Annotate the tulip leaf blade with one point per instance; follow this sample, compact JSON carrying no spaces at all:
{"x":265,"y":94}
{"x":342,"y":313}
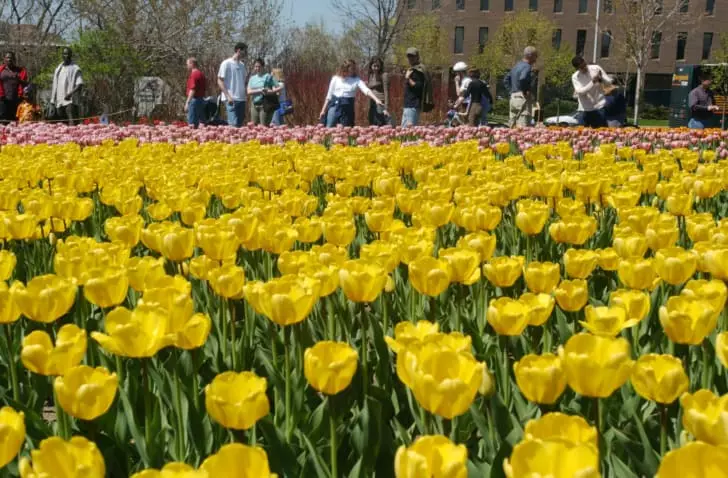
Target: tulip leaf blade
{"x":133,"y":428}
{"x":286,"y":463}
{"x":314,"y":456}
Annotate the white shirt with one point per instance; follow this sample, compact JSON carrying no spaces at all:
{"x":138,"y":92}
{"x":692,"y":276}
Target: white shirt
{"x":590,"y":94}
{"x":233,"y":74}
{"x":464,"y":85}
{"x":65,"y":79}
{"x":346,"y":87}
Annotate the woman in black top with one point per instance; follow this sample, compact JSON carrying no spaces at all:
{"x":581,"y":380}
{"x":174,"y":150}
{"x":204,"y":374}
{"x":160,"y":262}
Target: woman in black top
{"x":378,"y":82}
{"x":477,"y":90}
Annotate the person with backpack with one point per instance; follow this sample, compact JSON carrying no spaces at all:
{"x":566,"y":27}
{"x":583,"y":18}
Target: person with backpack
{"x":478,"y":93}
{"x":263,"y":89}
{"x":418,"y":95}
{"x":519,"y":83}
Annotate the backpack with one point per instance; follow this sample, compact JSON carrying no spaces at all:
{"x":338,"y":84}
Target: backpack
{"x":428,"y":97}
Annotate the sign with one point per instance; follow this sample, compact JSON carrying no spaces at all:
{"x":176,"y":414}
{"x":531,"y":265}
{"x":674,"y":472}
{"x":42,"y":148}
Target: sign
{"x":149,"y":91}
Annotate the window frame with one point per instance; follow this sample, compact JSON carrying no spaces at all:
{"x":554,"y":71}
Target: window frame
{"x":460,"y":5}
{"x":682,"y":38}
{"x":703,"y":56}
{"x":461,"y":29}
{"x":581,"y":51}
{"x":481,"y":43}
{"x":507,"y":3}
{"x":556,"y":37}
{"x":655,"y":45}
{"x":485,"y":3}
{"x":605,"y":39}
{"x":558,"y":6}
{"x":585,"y":4}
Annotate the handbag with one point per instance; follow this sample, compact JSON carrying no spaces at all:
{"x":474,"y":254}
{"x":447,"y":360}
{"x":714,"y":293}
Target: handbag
{"x":270,"y":101}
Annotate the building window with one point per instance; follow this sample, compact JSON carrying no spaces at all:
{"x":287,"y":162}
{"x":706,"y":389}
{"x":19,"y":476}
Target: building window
{"x":459,"y":39}
{"x":482,"y":38}
{"x":659,"y":7}
{"x":606,"y":43}
{"x":580,"y":42}
{"x":508,"y":6}
{"x":556,"y":39}
{"x":533,"y":5}
{"x":682,"y":41}
{"x":608,"y":6}
{"x":558,"y":6}
{"x":484,"y":5}
{"x":684,"y":6}
{"x":435,"y":4}
{"x":411,"y":4}
{"x":655,"y":45}
{"x":460,"y":4}
{"x":709,"y":7}
{"x":707,"y":44}
{"x":583,"y":6}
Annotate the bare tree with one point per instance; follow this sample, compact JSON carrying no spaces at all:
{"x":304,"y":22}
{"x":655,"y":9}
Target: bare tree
{"x":380,"y":20}
{"x":643,"y":24}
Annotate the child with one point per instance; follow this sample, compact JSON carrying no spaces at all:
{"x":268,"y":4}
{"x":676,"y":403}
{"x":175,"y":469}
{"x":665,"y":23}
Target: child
{"x":477,"y":91}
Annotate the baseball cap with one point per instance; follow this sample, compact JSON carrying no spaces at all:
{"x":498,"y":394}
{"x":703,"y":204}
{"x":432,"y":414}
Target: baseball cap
{"x":412,"y":51}
{"x":460,"y":66}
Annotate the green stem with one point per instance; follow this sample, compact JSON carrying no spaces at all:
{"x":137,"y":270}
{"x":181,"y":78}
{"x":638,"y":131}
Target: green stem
{"x":195,"y":379}
{"x":274,"y":359}
{"x":11,"y":363}
{"x":663,"y":429}
{"x":287,"y":371}
{"x":454,"y":429}
{"x":60,"y":417}
{"x":506,"y":371}
{"x":233,"y":354}
{"x":252,"y":436}
{"x":330,"y":317}
{"x":147,"y":403}
{"x":119,"y":369}
{"x":598,"y":422}
{"x":707,"y":367}
{"x":546,"y":339}
{"x":223,"y":328}
{"x":364,"y":350}
{"x":332,"y":432}
{"x":492,"y":438}
{"x":385,"y":313}
{"x":180,"y":432}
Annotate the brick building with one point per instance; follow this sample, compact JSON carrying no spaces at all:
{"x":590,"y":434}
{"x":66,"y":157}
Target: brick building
{"x":470,"y":22}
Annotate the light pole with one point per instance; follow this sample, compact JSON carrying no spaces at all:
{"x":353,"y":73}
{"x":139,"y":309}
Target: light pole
{"x":596,"y":31}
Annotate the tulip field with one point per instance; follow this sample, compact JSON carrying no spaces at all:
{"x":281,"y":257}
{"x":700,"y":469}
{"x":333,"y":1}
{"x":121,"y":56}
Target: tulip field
{"x":303,"y":302}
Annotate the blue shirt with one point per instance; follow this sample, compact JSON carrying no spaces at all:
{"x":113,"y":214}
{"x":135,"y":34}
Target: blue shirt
{"x":519,"y":78}
{"x":257,"y":82}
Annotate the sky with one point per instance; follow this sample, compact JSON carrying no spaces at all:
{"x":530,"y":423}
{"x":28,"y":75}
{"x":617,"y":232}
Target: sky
{"x":304,"y":11}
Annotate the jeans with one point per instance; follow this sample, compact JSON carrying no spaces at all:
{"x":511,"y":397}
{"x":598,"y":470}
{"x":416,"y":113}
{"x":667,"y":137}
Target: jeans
{"x":595,"y":119}
{"x":235,"y":113}
{"x":195,"y":112}
{"x":341,"y":112}
{"x":277,"y":119}
{"x":696,"y":124}
{"x":410,"y":117}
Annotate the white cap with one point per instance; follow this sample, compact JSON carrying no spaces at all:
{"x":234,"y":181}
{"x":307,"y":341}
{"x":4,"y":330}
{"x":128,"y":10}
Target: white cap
{"x":459,"y":66}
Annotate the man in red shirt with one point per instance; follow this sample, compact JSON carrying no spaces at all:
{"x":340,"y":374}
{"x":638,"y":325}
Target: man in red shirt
{"x":195,"y":105}
{"x":13,"y":80}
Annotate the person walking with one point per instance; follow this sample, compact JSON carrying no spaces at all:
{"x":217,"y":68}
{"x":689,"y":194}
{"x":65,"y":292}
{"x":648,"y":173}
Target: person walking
{"x":195,"y":105}
{"x":415,"y":89}
{"x":285,"y":105}
{"x":702,"y":103}
{"x":378,"y":82}
{"x":13,"y":80}
{"x":519,"y":81}
{"x":231,"y":80}
{"x":615,"y":107}
{"x":589,"y":82}
{"x":339,"y":104}
{"x":67,"y":84}
{"x":263,"y":90}
{"x":478,"y":93}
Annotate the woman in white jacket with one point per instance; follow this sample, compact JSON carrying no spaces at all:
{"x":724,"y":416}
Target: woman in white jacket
{"x":339,"y":104}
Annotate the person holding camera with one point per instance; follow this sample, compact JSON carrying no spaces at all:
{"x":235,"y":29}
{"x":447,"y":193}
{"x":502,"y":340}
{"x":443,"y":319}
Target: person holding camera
{"x":702,"y":104}
{"x":589,"y":82}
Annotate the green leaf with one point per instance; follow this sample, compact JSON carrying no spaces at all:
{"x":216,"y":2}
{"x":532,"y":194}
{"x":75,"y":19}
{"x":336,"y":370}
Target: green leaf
{"x":315,"y":457}
{"x":285,"y":463}
{"x":138,"y":437}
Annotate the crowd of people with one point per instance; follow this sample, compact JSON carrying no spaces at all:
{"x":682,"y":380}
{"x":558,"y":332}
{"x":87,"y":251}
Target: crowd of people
{"x":601,"y":103}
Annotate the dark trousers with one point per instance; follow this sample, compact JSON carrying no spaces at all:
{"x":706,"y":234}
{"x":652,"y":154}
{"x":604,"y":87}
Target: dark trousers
{"x":594,"y":119}
{"x":375,"y":117}
{"x":68,"y":113}
{"x":8,"y":110}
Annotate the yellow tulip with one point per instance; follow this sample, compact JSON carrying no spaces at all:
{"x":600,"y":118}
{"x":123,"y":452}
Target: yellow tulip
{"x":384,"y":253}
{"x":608,"y":259}
{"x":705,"y":416}
{"x":330,"y":366}
{"x":429,"y":276}
{"x":579,"y":263}
{"x":555,"y":459}
{"x":291,"y":262}
{"x":542,"y":277}
{"x":431,"y":456}
{"x":721,"y":348}
{"x":125,"y":229}
{"x":237,"y":400}
{"x":596,"y":366}
{"x":408,"y":334}
{"x":636,"y":303}
{"x":574,"y":230}
{"x":699,"y":226}
{"x":46,"y":298}
{"x":659,"y":378}
{"x":159,"y":211}
{"x":236,"y":460}
{"x":219,"y":242}
{"x":339,"y":232}
{"x":638,"y":273}
{"x":540,"y":378}
{"x":508,"y":316}
{"x":330,"y":255}
{"x":560,"y":427}
{"x":715,"y":261}
{"x":106,"y":287}
{"x":85,"y":392}
{"x":464,"y":264}
{"x":142,"y":270}
{"x":542,"y":305}
{"x":289,"y":299}
{"x":444,"y":391}
{"x":58,"y":458}
{"x":695,"y":460}
{"x":680,"y":204}
{"x":714,"y":291}
{"x":687,"y":320}
{"x":475,"y":218}
{"x":503,"y":271}
{"x":139,"y":333}
{"x":606,"y":321}
{"x":172,"y":470}
{"x":177,"y":243}
{"x":571,"y":295}
{"x":660,"y":235}
{"x":434,"y":214}
{"x":227,"y":281}
{"x":21,"y":226}
{"x":40,"y":356}
{"x":9,"y":310}
{"x":362,"y":280}
{"x":675,"y":265}
{"x":630,"y":245}
{"x":531,"y":216}
{"x":12,"y":424}
{"x":481,"y":242}
{"x":7,"y":264}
